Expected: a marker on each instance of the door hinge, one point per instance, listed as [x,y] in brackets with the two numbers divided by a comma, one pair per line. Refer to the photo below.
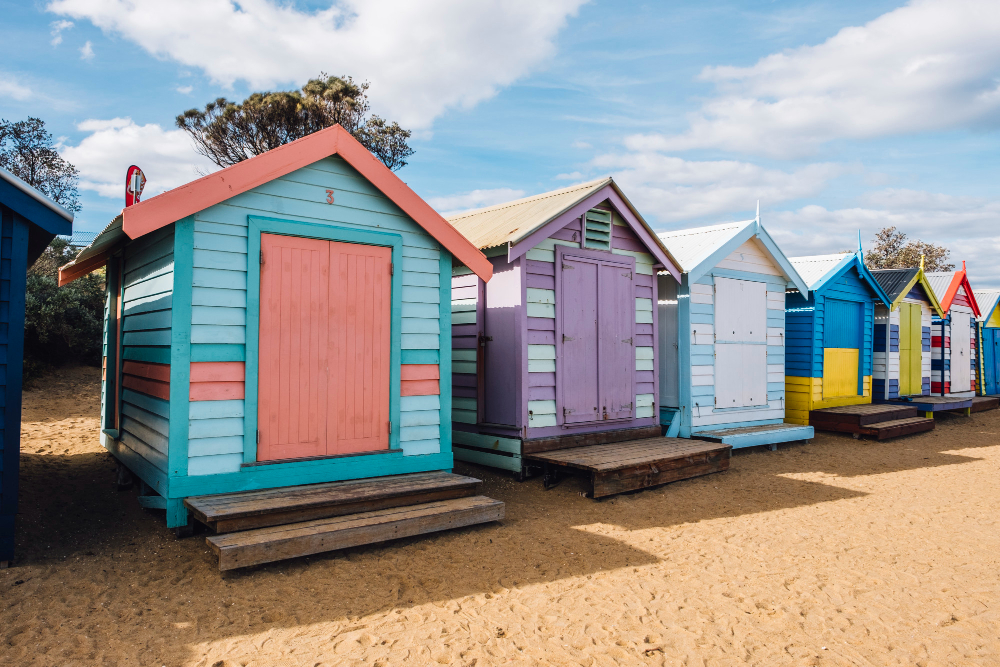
[258,436]
[567,266]
[392,269]
[566,411]
[566,338]
[262,257]
[627,340]
[390,426]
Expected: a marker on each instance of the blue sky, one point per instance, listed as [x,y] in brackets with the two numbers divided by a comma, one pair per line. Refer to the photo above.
[837,116]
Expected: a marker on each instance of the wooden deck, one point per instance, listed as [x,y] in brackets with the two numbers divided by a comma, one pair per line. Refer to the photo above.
[984,403]
[255,527]
[928,405]
[877,420]
[755,436]
[637,464]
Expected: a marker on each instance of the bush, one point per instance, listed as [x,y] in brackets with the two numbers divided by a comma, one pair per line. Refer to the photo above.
[61,324]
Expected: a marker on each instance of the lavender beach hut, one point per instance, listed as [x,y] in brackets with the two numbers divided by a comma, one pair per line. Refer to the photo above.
[558,349]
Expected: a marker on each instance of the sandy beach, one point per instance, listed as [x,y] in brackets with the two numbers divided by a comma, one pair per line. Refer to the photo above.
[839,552]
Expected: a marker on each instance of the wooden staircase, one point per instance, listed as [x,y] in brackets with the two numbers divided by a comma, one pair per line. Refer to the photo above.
[881,421]
[255,527]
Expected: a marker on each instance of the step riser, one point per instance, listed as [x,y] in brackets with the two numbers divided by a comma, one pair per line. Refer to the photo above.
[827,421]
[280,549]
[344,509]
[587,439]
[609,484]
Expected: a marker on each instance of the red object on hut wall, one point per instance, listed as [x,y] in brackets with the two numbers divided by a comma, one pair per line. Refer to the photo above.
[135,181]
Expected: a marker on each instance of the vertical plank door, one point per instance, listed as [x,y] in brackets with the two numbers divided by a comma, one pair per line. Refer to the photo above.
[916,347]
[292,358]
[360,319]
[578,310]
[323,385]
[961,351]
[842,330]
[616,323]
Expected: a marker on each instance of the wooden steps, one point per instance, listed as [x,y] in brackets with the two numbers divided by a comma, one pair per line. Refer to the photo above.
[754,436]
[272,507]
[878,420]
[928,405]
[638,464]
[256,527]
[983,403]
[266,545]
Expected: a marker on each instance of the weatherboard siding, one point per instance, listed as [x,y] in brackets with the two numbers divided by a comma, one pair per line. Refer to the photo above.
[147,302]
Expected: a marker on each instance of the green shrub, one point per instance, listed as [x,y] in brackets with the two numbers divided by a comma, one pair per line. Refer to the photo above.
[61,324]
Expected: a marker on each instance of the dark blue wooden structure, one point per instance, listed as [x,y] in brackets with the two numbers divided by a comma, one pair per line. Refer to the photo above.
[28,222]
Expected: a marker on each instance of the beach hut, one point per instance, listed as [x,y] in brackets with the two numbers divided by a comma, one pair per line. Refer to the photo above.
[724,380]
[279,323]
[28,222]
[953,337]
[902,346]
[828,354]
[558,350]
[988,369]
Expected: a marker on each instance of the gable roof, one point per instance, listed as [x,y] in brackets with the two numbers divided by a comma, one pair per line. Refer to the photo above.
[988,298]
[173,205]
[33,206]
[699,249]
[897,283]
[946,285]
[819,270]
[523,223]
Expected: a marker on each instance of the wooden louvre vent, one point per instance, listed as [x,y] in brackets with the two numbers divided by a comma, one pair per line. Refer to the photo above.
[597,232]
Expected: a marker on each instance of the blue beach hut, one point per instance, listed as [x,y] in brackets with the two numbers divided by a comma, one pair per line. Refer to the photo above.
[828,358]
[28,222]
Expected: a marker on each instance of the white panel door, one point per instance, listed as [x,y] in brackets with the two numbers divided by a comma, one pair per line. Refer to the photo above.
[728,376]
[740,310]
[754,375]
[961,338]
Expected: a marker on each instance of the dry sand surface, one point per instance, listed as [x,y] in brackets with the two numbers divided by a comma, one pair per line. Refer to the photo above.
[834,553]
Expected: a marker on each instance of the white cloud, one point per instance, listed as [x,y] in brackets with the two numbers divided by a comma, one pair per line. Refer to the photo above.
[167,157]
[572,176]
[184,90]
[10,86]
[87,51]
[57,30]
[421,57]
[929,65]
[452,204]
[966,225]
[670,189]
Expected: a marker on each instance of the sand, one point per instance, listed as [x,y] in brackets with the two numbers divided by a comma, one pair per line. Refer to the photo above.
[838,552]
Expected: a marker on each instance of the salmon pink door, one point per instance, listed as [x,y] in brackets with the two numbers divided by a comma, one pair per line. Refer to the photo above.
[323,386]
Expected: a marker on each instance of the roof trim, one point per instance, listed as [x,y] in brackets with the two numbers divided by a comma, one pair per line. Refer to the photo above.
[919,277]
[33,206]
[751,229]
[851,260]
[960,279]
[989,307]
[161,210]
[621,205]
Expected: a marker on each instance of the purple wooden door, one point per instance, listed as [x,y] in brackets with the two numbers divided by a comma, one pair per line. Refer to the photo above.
[578,310]
[500,358]
[616,315]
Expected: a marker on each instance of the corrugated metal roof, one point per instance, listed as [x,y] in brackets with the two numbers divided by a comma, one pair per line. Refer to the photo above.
[690,247]
[815,267]
[35,194]
[512,221]
[987,299]
[894,281]
[108,237]
[939,282]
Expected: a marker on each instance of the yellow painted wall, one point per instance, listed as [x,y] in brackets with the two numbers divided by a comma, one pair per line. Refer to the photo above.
[805,394]
[994,320]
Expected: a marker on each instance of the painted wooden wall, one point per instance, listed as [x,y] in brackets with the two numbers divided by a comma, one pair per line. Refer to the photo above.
[885,357]
[539,277]
[806,329]
[13,269]
[219,306]
[147,275]
[698,353]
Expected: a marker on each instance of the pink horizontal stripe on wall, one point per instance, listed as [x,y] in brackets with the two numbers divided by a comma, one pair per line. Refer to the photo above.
[217,380]
[143,369]
[419,380]
[146,386]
